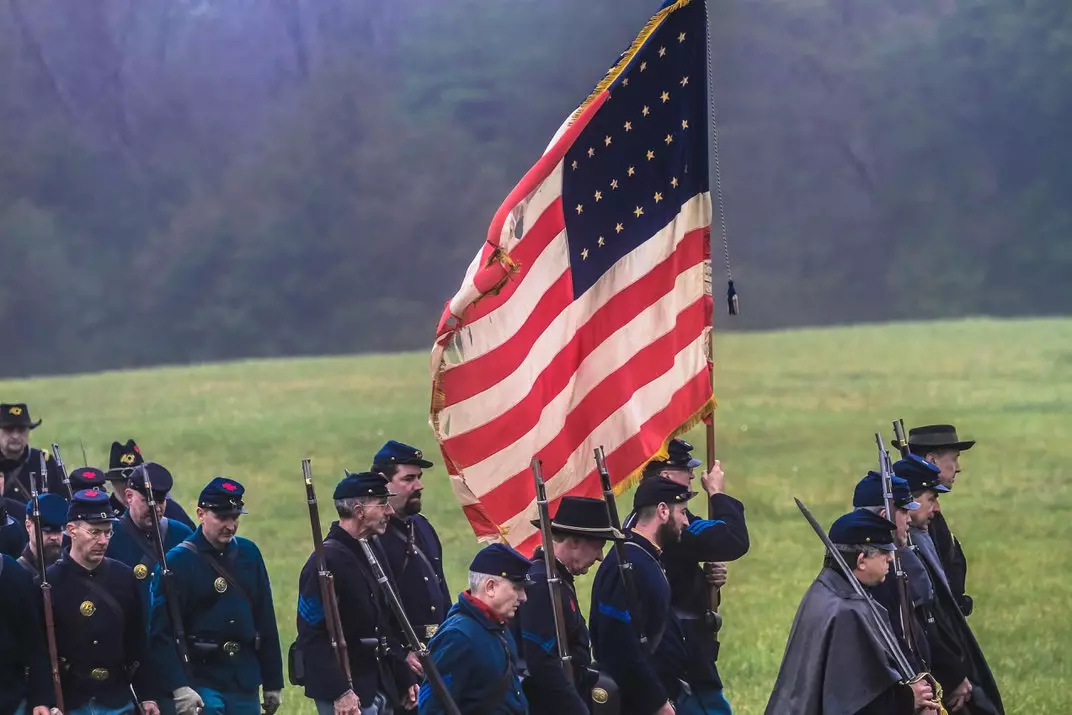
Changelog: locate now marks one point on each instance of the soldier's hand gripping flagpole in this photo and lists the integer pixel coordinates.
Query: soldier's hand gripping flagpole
(554, 583)
(46, 588)
(332, 622)
(63, 470)
(625, 566)
(431, 672)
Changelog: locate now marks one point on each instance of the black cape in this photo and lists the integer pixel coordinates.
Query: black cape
(834, 663)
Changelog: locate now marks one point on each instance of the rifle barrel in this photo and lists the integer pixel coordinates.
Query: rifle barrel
(431, 671)
(63, 470)
(554, 583)
(46, 590)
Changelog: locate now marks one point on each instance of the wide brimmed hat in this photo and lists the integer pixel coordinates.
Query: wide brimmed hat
(937, 437)
(583, 517)
(16, 414)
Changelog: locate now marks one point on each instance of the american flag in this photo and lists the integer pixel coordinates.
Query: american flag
(585, 319)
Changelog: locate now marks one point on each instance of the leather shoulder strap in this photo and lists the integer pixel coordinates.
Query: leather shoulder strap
(219, 568)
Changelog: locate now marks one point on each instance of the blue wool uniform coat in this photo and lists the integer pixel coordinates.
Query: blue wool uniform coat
(17, 475)
(478, 660)
(135, 548)
(93, 634)
(415, 564)
(22, 641)
(365, 616)
(645, 680)
(546, 687)
(211, 618)
(722, 538)
(13, 536)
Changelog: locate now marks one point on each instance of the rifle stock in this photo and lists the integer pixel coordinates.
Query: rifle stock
(625, 566)
(332, 621)
(554, 583)
(46, 590)
(167, 578)
(63, 470)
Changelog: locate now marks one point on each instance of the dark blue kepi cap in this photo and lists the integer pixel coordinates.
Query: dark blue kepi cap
(90, 505)
(87, 478)
(394, 452)
(658, 490)
(920, 474)
(679, 456)
(222, 496)
(53, 511)
(502, 561)
(362, 484)
(863, 527)
(159, 477)
(869, 492)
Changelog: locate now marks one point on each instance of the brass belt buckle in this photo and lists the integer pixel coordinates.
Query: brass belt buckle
(99, 674)
(232, 647)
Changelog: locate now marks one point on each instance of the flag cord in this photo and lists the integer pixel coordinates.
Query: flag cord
(732, 300)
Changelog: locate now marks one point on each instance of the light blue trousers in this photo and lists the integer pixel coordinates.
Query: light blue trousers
(704, 702)
(217, 703)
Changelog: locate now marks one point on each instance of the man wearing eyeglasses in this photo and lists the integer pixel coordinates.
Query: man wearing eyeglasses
(98, 613)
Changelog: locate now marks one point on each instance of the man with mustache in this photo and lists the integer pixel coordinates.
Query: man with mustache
(382, 681)
(412, 547)
(474, 650)
(18, 458)
(100, 625)
(225, 603)
(647, 677)
(53, 522)
(122, 462)
(135, 543)
(580, 530)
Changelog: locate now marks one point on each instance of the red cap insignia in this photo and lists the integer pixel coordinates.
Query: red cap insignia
(230, 487)
(92, 492)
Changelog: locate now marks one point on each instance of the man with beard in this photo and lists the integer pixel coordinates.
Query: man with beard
(835, 660)
(579, 531)
(647, 678)
(25, 682)
(53, 522)
(12, 531)
(121, 464)
(473, 649)
(135, 543)
(956, 659)
(100, 626)
(225, 602)
(18, 458)
(412, 547)
(940, 445)
(382, 681)
(696, 563)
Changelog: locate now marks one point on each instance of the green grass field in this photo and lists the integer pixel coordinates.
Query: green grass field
(797, 413)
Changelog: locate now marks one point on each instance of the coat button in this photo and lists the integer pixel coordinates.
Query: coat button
(232, 621)
(433, 609)
(426, 579)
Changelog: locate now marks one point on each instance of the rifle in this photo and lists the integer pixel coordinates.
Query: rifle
(431, 672)
(332, 621)
(63, 470)
(167, 578)
(46, 589)
(554, 583)
(625, 566)
(903, 597)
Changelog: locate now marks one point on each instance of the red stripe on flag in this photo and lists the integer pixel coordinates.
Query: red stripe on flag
(484, 372)
(514, 493)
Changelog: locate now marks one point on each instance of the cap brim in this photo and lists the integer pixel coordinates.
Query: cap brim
(910, 506)
(884, 547)
(225, 512)
(693, 463)
(941, 488)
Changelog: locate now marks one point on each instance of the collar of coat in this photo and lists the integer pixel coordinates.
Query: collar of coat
(480, 611)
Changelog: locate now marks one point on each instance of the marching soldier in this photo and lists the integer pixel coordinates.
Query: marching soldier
(134, 542)
(12, 531)
(225, 603)
(474, 649)
(88, 478)
(957, 661)
(580, 529)
(693, 565)
(100, 625)
(121, 463)
(940, 445)
(18, 458)
(648, 676)
(53, 522)
(412, 547)
(382, 681)
(22, 645)
(835, 660)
